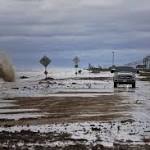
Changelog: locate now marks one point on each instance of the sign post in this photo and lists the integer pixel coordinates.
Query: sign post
(76, 61)
(45, 61)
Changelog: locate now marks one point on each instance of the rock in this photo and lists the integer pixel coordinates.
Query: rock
(95, 129)
(15, 88)
(101, 147)
(49, 78)
(119, 146)
(73, 83)
(61, 84)
(75, 147)
(128, 120)
(24, 77)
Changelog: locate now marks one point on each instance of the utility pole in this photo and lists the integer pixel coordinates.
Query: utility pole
(113, 58)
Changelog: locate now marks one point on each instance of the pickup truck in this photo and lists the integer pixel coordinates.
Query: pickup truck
(124, 75)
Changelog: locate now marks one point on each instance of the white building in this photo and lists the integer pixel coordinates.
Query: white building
(146, 62)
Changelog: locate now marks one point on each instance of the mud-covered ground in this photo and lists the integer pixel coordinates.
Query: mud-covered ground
(59, 108)
(49, 141)
(83, 112)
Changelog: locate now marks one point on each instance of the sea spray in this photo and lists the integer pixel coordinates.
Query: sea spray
(7, 72)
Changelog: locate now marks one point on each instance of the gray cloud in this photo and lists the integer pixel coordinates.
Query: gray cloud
(75, 27)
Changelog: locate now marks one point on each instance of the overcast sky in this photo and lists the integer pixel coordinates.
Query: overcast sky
(62, 29)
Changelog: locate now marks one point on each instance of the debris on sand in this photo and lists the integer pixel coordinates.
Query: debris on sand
(75, 136)
(24, 77)
(128, 121)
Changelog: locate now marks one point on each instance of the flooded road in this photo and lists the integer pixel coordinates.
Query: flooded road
(138, 98)
(88, 111)
(133, 102)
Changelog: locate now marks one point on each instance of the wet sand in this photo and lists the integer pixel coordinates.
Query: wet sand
(47, 141)
(93, 118)
(67, 114)
(72, 109)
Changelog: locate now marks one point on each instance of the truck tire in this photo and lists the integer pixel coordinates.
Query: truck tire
(133, 85)
(115, 84)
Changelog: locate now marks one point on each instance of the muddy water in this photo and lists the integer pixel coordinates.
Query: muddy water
(138, 99)
(131, 132)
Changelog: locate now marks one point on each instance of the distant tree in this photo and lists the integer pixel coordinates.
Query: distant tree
(76, 61)
(45, 61)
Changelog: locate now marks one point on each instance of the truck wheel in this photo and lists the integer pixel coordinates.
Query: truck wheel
(133, 85)
(115, 85)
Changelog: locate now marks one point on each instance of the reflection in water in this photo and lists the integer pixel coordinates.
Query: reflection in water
(124, 89)
(138, 99)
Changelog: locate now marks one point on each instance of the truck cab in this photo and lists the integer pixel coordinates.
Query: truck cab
(124, 75)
